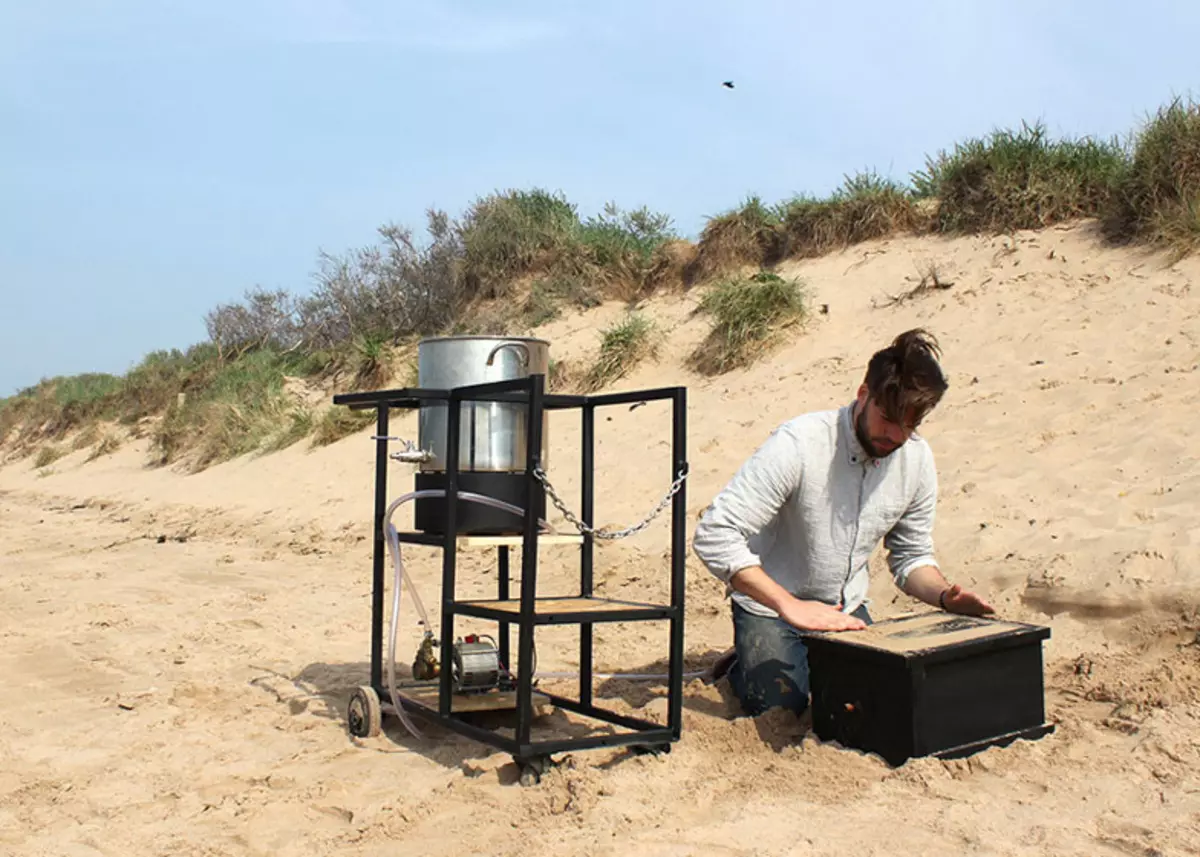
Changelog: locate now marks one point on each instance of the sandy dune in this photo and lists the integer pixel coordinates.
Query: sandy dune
(178, 650)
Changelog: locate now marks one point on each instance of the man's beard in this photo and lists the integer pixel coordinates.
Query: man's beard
(860, 431)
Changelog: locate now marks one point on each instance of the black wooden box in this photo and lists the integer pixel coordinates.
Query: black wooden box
(931, 684)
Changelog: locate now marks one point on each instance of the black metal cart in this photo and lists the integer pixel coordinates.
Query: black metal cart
(527, 611)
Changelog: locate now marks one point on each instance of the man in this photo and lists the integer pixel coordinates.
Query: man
(792, 532)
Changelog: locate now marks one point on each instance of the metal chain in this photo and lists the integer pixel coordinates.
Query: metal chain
(599, 533)
(610, 534)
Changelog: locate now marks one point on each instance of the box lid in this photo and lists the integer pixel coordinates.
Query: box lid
(924, 634)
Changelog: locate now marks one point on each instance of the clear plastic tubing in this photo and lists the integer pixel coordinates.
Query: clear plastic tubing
(401, 579)
(393, 539)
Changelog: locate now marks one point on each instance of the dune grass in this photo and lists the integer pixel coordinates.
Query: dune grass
(865, 207)
(232, 408)
(1020, 180)
(561, 377)
(748, 235)
(338, 422)
(88, 436)
(623, 346)
(517, 258)
(1008, 180)
(193, 402)
(107, 444)
(1158, 202)
(508, 235)
(749, 316)
(519, 234)
(625, 251)
(57, 405)
(47, 455)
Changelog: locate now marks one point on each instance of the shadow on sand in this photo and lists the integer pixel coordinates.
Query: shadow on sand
(324, 690)
(714, 699)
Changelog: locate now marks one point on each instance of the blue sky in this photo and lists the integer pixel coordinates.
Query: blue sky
(158, 158)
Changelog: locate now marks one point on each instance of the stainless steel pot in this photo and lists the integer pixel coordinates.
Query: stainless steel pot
(492, 434)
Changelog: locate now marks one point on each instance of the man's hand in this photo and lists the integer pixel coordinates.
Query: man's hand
(959, 600)
(804, 615)
(816, 616)
(927, 584)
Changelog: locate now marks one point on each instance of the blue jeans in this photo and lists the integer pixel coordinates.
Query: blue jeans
(771, 665)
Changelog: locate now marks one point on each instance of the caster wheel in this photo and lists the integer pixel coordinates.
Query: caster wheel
(532, 769)
(650, 749)
(363, 715)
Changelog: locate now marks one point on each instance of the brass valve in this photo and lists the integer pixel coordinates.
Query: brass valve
(425, 666)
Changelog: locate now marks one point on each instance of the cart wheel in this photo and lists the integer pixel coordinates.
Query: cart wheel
(364, 715)
(532, 769)
(650, 749)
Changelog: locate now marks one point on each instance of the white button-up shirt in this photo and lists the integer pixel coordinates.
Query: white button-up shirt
(810, 506)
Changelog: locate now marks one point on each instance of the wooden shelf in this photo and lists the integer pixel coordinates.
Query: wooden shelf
(492, 700)
(565, 610)
(544, 540)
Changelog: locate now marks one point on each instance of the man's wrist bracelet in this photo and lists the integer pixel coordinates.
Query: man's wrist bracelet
(942, 599)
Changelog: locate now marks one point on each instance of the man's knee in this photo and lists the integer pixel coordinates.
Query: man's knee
(770, 684)
(772, 665)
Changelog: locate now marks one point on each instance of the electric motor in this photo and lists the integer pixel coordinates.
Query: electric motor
(476, 665)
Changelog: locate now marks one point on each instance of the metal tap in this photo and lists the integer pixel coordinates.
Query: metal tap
(411, 454)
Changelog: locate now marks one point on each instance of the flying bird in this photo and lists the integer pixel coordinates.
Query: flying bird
(728, 84)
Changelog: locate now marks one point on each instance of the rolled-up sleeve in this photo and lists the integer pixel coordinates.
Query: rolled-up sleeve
(910, 541)
(748, 503)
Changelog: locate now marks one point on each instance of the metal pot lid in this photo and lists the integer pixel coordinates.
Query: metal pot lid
(484, 337)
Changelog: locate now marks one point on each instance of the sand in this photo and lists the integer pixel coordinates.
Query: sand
(178, 651)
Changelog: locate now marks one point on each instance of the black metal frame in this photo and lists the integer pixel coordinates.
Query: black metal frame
(531, 392)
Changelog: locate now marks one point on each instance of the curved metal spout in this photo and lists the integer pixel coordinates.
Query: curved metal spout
(521, 345)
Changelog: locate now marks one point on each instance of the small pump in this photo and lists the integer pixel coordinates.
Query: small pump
(476, 666)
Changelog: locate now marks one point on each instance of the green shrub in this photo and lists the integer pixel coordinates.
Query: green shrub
(339, 422)
(508, 235)
(865, 207)
(108, 444)
(47, 455)
(1020, 180)
(748, 318)
(749, 235)
(622, 248)
(622, 347)
(389, 291)
(88, 436)
(56, 406)
(298, 423)
(1159, 202)
(236, 408)
(518, 257)
(548, 296)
